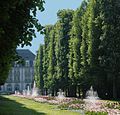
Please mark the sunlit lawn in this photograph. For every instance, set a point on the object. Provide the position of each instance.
(10, 105)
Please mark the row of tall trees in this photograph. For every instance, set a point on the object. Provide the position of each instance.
(82, 49)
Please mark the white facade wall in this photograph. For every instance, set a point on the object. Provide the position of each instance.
(22, 80)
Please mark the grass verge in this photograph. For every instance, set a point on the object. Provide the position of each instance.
(11, 105)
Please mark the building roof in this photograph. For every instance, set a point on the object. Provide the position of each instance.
(26, 54)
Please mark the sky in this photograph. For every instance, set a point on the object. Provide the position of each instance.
(49, 16)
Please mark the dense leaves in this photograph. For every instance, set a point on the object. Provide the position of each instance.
(17, 27)
(82, 49)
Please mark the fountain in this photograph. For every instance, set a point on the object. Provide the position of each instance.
(92, 99)
(35, 90)
(28, 90)
(60, 95)
(24, 92)
(91, 94)
(17, 92)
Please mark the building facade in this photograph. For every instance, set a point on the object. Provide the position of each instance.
(21, 75)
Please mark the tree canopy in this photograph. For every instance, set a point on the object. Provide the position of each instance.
(82, 49)
(17, 27)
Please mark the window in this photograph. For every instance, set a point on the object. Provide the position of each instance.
(27, 72)
(27, 75)
(16, 75)
(27, 87)
(9, 87)
(31, 63)
(10, 76)
(15, 64)
(32, 72)
(27, 80)
(17, 87)
(27, 63)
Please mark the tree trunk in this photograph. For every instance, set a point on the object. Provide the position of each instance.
(72, 91)
(114, 88)
(53, 91)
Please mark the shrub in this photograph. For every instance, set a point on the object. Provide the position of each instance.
(73, 104)
(95, 113)
(113, 105)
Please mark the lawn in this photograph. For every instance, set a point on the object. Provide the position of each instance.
(11, 105)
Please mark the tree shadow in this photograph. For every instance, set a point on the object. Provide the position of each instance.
(11, 107)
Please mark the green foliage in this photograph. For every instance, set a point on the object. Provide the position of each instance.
(110, 43)
(96, 113)
(52, 60)
(74, 104)
(82, 49)
(113, 105)
(17, 27)
(39, 69)
(62, 46)
(74, 46)
(48, 28)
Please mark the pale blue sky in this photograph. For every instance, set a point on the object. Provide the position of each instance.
(49, 16)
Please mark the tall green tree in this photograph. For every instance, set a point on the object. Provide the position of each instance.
(46, 47)
(36, 72)
(52, 62)
(63, 36)
(74, 46)
(39, 69)
(96, 72)
(110, 40)
(85, 80)
(82, 49)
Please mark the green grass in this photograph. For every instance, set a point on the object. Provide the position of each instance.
(10, 105)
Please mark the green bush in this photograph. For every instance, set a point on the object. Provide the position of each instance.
(113, 105)
(63, 106)
(74, 104)
(95, 113)
(77, 101)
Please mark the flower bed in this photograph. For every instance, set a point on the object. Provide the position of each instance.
(103, 106)
(72, 104)
(113, 105)
(96, 107)
(95, 113)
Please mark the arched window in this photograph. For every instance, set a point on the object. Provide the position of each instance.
(9, 87)
(27, 86)
(27, 75)
(17, 87)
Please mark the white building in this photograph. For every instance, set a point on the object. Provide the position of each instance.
(21, 75)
